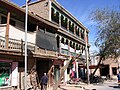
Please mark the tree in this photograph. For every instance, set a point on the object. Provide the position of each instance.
(108, 34)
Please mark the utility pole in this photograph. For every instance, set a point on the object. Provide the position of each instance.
(26, 20)
(87, 58)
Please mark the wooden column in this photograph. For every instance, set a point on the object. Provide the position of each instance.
(80, 32)
(75, 48)
(59, 19)
(7, 30)
(37, 28)
(60, 44)
(74, 29)
(68, 24)
(69, 47)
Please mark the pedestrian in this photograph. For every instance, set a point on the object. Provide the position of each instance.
(44, 81)
(118, 78)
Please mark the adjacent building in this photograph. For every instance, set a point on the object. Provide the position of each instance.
(108, 68)
(54, 35)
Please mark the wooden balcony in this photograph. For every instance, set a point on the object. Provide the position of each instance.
(18, 47)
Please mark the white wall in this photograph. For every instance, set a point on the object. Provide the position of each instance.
(18, 34)
(2, 30)
(72, 49)
(65, 74)
(64, 46)
(14, 74)
(19, 24)
(78, 51)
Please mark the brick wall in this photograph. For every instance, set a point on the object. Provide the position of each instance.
(40, 8)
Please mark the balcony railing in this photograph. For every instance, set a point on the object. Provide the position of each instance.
(19, 46)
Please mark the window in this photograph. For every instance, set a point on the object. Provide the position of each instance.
(71, 27)
(68, 70)
(64, 21)
(82, 36)
(55, 16)
(4, 21)
(114, 71)
(77, 31)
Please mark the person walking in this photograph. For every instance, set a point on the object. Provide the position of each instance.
(44, 81)
(118, 78)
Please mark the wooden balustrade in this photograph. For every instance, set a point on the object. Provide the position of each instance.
(19, 45)
(14, 44)
(2, 42)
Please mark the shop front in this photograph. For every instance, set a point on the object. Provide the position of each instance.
(8, 73)
(5, 73)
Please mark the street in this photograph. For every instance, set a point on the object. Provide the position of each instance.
(107, 85)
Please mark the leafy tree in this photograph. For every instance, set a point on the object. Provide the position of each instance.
(108, 35)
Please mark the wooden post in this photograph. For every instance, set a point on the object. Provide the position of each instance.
(87, 57)
(69, 47)
(80, 33)
(7, 30)
(49, 75)
(68, 24)
(74, 30)
(60, 20)
(60, 44)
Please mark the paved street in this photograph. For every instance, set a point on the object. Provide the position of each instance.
(108, 85)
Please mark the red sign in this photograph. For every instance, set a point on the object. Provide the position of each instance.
(57, 62)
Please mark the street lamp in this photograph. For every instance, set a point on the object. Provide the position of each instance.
(26, 20)
(87, 61)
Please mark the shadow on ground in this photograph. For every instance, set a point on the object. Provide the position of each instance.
(115, 86)
(62, 88)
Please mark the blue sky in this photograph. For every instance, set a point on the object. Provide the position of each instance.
(81, 9)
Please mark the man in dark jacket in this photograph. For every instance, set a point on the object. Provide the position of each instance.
(118, 78)
(44, 81)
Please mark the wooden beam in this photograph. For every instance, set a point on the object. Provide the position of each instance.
(7, 30)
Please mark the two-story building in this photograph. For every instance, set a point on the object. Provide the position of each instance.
(53, 36)
(70, 34)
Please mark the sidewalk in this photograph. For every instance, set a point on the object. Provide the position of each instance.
(81, 86)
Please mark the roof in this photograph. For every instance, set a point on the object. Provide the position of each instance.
(69, 14)
(61, 7)
(21, 10)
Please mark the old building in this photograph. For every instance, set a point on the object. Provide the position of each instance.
(53, 36)
(71, 33)
(108, 68)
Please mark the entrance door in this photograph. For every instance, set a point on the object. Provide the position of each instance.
(42, 67)
(104, 71)
(56, 73)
